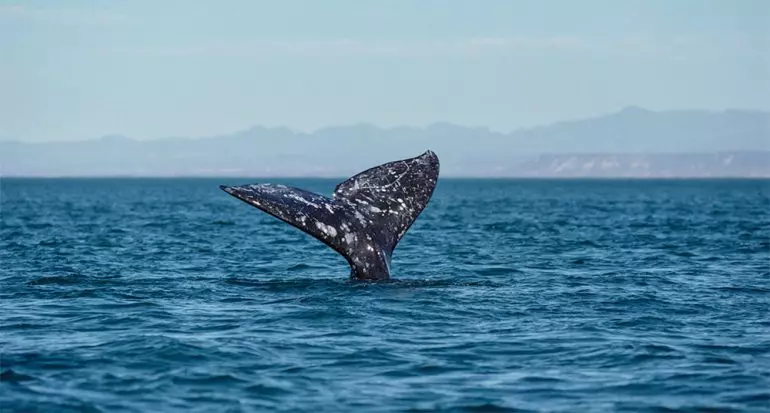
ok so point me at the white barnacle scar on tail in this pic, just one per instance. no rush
(365, 218)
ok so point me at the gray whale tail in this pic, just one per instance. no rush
(365, 218)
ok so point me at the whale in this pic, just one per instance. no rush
(366, 216)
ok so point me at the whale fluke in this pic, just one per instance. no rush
(365, 218)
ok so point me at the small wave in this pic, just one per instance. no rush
(474, 408)
(20, 326)
(301, 266)
(51, 243)
(736, 349)
(38, 225)
(283, 284)
(540, 379)
(207, 379)
(267, 390)
(758, 398)
(59, 280)
(10, 376)
(496, 270)
(749, 290)
(719, 360)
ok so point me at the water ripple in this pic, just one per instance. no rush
(166, 295)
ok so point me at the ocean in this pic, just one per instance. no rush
(168, 295)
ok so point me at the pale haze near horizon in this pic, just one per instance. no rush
(83, 69)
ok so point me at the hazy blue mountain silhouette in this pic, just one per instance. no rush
(634, 129)
(693, 136)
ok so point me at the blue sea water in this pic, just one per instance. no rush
(145, 295)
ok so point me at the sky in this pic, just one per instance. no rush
(147, 69)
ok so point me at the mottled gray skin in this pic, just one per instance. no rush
(365, 218)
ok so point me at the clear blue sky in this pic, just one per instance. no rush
(149, 69)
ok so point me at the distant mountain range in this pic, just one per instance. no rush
(633, 142)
